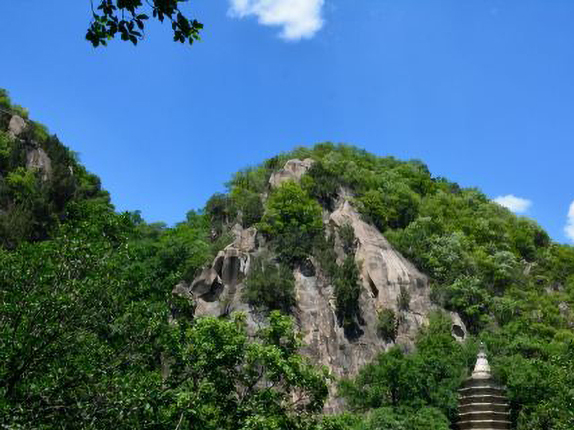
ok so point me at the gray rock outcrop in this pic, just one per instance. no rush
(217, 290)
(16, 126)
(292, 171)
(37, 159)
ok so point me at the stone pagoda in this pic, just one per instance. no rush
(482, 404)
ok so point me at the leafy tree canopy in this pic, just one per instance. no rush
(293, 219)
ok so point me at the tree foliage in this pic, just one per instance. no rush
(293, 219)
(387, 324)
(85, 340)
(347, 291)
(75, 327)
(406, 384)
(322, 184)
(128, 18)
(270, 285)
(231, 382)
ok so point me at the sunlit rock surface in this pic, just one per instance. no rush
(292, 171)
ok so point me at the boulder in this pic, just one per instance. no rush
(217, 290)
(292, 171)
(182, 290)
(458, 328)
(37, 159)
(16, 126)
(245, 240)
(206, 284)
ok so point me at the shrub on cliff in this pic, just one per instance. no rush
(270, 285)
(292, 220)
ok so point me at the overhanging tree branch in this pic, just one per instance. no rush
(127, 19)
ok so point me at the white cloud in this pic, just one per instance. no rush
(569, 229)
(515, 204)
(299, 19)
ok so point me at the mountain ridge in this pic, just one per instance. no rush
(391, 276)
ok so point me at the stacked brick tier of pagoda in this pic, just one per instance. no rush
(482, 403)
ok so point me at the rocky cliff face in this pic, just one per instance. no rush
(385, 274)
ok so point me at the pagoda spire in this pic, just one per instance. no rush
(481, 368)
(482, 403)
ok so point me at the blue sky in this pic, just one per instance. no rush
(480, 90)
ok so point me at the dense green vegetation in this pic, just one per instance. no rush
(387, 324)
(347, 291)
(270, 285)
(85, 343)
(293, 219)
(91, 336)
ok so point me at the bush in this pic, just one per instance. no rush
(5, 102)
(428, 419)
(347, 292)
(448, 257)
(322, 184)
(5, 150)
(249, 204)
(405, 383)
(253, 179)
(467, 296)
(293, 220)
(392, 205)
(347, 236)
(405, 419)
(221, 211)
(324, 252)
(404, 299)
(270, 286)
(384, 419)
(344, 421)
(345, 280)
(387, 325)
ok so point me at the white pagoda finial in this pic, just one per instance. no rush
(481, 368)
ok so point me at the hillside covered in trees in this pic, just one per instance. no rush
(107, 321)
